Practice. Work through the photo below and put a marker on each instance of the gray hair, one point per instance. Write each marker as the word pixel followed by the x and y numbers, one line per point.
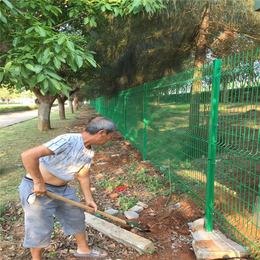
pixel 101 123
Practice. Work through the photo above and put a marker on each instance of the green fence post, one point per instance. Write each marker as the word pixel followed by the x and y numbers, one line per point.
pixel 144 121
pixel 212 144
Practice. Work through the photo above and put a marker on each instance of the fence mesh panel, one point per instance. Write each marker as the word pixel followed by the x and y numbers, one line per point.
pixel 237 157
pixel 169 121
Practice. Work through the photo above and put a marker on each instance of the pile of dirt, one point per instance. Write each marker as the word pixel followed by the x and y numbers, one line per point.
pixel 166 216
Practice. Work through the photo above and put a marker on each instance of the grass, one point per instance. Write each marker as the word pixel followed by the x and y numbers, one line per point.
pixel 7 109
pixel 18 138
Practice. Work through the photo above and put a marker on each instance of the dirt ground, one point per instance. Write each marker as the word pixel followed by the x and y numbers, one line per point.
pixel 166 216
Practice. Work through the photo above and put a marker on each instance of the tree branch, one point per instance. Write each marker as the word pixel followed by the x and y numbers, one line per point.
pixel 72 19
pixel 249 36
pixel 73 91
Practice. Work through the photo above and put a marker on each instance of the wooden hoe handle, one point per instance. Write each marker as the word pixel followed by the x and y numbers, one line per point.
pixel 55 196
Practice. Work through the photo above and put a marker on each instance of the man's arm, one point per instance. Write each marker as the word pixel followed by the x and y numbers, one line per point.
pixel 30 160
pixel 84 181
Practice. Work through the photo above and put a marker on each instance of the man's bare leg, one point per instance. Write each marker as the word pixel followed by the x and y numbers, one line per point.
pixel 36 253
pixel 83 248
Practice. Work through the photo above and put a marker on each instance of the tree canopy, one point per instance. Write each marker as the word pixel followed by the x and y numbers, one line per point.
pixel 42 38
pixel 148 47
pixel 39 37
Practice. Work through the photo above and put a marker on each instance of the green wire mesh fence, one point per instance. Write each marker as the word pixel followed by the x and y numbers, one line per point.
pixel 201 126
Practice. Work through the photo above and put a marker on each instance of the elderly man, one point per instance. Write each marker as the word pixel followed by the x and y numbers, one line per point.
pixel 50 167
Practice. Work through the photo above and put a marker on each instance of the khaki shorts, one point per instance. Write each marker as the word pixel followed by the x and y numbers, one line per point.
pixel 39 215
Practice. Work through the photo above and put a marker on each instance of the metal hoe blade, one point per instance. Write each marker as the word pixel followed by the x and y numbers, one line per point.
pixel 135 225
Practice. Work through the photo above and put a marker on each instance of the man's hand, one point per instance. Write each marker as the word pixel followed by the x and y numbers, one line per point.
pixel 39 189
pixel 91 204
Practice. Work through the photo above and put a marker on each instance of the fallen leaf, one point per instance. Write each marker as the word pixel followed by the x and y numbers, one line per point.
pixel 111 245
pixel 113 196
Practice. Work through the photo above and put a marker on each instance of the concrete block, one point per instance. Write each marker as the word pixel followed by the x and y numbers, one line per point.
pixel 198 224
pixel 214 245
pixel 123 236
pixel 204 235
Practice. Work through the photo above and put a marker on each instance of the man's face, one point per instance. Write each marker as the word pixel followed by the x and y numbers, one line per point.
pixel 104 137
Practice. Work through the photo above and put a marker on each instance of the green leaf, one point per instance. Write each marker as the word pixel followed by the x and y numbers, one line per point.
pixel 46 52
pixel 61 58
pixel 52 74
pixel 38 68
pixel 30 67
pixel 54 10
pixel 57 63
pixel 41 31
pixel 48 7
pixel 24 72
pixel 42 91
pixel 45 85
pixel 58 48
pixel 52 89
pixel 1 76
pixel 64 89
pixel 32 81
pixel 32 5
pixel 8 64
pixel 15 41
pixel 46 60
pixel 93 23
pixel 29 30
pixel 8 4
pixel 64 54
pixel 55 83
pixel 136 3
pixel 116 11
pixel 48 40
pixel 71 13
pixel 72 64
pixel 70 45
pixel 2 17
pixel 40 58
pixel 92 62
pixel 79 61
pixel 86 20
pixel 103 8
pixel 61 39
pixel 148 8
pixel 40 78
pixel 18 84
pixel 18 68
pixel 108 6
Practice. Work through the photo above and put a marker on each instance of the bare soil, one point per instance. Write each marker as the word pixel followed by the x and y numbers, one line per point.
pixel 166 216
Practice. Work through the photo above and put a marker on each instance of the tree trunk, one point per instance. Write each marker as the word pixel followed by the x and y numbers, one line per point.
pixel 200 55
pixel 76 103
pixel 194 121
pixel 44 109
pixel 71 106
pixel 61 100
pixel 61 103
